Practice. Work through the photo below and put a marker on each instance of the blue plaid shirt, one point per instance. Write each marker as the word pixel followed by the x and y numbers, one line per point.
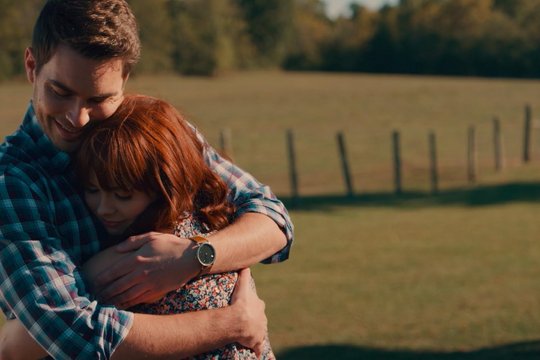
pixel 46 232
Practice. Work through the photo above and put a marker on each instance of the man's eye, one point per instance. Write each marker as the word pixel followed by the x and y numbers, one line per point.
pixel 91 190
pixel 97 100
pixel 59 92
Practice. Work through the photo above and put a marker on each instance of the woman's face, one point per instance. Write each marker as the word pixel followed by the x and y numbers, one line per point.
pixel 116 209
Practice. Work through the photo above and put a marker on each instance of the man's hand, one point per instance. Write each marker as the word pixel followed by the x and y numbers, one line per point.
pixel 250 313
pixel 151 265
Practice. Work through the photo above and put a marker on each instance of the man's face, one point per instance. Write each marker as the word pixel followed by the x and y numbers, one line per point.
pixel 71 90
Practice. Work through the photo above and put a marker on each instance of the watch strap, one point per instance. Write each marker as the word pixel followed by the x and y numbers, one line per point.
pixel 198 239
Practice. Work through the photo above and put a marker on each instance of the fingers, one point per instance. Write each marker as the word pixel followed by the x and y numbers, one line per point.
pixel 121 268
pixel 246 273
pixel 134 243
pixel 258 346
pixel 242 284
pixel 132 297
pixel 120 290
pixel 244 278
pixel 258 349
pixel 250 313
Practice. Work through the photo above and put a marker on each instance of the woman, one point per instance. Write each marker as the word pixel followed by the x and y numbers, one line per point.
pixel 143 170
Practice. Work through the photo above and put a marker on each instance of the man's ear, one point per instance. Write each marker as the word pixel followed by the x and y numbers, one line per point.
pixel 126 78
pixel 30 65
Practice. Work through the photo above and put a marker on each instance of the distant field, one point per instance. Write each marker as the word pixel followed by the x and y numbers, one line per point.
pixel 259 107
pixel 382 277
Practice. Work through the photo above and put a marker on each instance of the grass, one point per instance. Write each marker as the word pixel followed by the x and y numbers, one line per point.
pixel 379 276
pixel 410 275
pixel 258 107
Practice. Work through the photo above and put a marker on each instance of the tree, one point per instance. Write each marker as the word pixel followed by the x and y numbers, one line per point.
pixel 155 31
pixel 346 49
pixel 16 21
pixel 382 52
pixel 209 36
pixel 269 25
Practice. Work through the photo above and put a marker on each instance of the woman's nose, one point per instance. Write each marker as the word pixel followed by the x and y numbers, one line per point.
pixel 105 206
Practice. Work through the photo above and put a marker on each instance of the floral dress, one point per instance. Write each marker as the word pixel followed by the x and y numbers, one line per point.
pixel 207 292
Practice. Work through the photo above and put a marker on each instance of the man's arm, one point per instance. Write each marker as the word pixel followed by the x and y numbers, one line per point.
pixel 249 240
pixel 172 336
pixel 40 284
pixel 261 232
pixel 16 343
pixel 182 335
pixel 250 196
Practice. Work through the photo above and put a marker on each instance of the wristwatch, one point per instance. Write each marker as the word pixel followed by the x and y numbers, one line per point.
pixel 205 255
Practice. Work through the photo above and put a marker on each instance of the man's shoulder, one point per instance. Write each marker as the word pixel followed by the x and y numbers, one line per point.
pixel 16 165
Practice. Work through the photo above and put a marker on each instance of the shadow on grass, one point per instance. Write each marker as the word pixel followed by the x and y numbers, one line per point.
pixel 519 351
pixel 477 196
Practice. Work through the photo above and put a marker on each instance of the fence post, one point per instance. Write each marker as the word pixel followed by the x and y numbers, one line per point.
pixel 497 145
pixel 397 162
pixel 527 135
pixel 292 167
pixel 345 164
pixel 225 142
pixel 471 155
pixel 434 176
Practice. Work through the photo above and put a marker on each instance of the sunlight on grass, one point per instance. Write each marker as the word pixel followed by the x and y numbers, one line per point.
pixel 429 278
pixel 454 272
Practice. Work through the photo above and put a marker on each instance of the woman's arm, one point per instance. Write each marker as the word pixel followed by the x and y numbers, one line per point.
pixel 16 343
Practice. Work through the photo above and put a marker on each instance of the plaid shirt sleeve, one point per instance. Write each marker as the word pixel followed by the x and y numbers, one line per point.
pixel 40 284
pixel 249 195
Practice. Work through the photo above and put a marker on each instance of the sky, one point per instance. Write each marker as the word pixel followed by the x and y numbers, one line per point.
pixel 337 7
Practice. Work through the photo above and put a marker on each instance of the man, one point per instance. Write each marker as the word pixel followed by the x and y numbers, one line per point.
pixel 81 56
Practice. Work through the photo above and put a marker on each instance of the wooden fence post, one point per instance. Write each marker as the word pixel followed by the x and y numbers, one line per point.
pixel 397 162
pixel 498 145
pixel 225 142
pixel 434 176
pixel 292 167
pixel 527 135
pixel 471 155
pixel 345 164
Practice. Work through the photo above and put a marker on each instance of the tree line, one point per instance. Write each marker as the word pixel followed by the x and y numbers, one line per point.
pixel 207 37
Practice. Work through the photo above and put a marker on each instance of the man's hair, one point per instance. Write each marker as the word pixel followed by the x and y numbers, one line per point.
pixel 96 29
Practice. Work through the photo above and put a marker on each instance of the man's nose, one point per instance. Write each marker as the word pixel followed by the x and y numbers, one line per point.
pixel 79 115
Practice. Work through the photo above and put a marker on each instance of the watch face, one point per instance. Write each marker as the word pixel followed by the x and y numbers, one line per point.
pixel 206 254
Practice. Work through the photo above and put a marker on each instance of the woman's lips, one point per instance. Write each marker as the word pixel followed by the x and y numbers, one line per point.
pixel 111 224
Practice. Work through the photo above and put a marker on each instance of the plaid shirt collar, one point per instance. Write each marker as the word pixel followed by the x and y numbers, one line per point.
pixel 44 151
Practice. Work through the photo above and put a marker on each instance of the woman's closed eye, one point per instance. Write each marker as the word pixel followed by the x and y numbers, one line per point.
pixel 123 195
pixel 91 190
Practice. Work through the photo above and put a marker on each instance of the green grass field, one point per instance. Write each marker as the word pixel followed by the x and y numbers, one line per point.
pixel 452 276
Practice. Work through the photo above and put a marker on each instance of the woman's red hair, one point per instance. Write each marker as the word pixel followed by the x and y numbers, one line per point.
pixel 148 146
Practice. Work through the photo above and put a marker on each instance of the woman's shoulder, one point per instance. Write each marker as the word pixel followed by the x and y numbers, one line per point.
pixel 189 226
